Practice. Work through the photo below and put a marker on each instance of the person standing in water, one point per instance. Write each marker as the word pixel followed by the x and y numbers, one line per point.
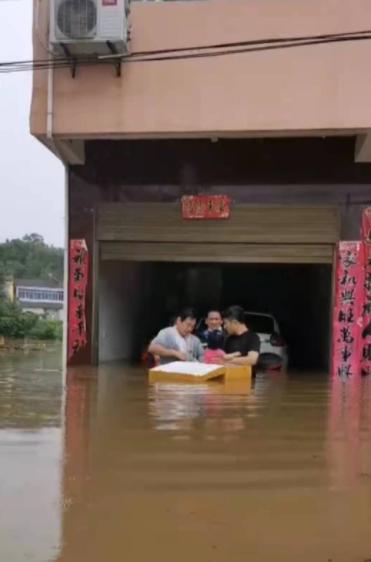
pixel 177 343
pixel 214 323
pixel 241 346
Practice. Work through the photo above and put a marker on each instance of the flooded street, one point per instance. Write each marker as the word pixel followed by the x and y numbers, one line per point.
pixel 279 471
pixel 31 449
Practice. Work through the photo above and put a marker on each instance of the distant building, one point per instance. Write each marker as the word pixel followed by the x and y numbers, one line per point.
pixel 44 298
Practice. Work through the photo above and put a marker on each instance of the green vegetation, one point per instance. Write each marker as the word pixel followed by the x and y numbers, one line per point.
pixel 29 258
pixel 17 324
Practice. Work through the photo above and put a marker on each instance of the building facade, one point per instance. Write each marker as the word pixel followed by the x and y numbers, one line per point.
pixel 283 132
pixel 43 298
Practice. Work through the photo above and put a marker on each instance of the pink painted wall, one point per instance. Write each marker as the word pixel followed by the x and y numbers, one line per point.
pixel 307 89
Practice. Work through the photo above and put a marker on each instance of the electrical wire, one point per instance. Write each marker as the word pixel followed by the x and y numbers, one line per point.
pixel 256 42
pixel 237 51
pixel 221 45
pixel 185 53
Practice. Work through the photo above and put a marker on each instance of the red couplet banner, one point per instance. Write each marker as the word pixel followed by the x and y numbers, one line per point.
pixel 366 333
pixel 349 297
pixel 78 279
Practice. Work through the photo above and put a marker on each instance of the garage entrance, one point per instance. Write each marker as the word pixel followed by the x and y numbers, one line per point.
pixel 138 299
pixel 268 259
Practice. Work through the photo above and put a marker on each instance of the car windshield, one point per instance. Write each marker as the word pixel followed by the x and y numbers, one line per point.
pixel 260 323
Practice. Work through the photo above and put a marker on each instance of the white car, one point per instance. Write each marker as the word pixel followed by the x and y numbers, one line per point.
pixel 273 348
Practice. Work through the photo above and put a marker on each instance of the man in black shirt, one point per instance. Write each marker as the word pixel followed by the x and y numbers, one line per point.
pixel 241 346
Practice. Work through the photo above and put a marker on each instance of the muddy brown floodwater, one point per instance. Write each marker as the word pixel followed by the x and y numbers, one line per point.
pixel 280 472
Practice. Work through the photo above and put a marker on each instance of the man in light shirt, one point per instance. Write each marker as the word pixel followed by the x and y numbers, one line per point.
pixel 177 343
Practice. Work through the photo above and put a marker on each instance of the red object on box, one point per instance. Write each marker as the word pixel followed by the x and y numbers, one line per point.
pixel 213 356
pixel 349 297
pixel 78 280
pixel 109 2
pixel 206 207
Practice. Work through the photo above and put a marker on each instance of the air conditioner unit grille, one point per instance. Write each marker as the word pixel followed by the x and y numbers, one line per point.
pixel 77 19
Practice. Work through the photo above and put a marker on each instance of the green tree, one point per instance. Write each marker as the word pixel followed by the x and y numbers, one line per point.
pixel 36 238
pixel 17 324
pixel 13 322
pixel 31 258
pixel 2 281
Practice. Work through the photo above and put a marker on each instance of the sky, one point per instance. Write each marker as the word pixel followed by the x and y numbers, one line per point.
pixel 31 177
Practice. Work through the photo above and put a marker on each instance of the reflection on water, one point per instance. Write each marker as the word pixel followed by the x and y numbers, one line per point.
pixel 279 471
pixel 349 432
pixel 182 406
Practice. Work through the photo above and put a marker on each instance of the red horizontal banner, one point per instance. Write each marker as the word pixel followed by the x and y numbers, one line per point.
pixel 206 207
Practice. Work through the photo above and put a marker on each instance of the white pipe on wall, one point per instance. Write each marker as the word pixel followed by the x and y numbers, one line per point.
pixel 65 280
pixel 50 99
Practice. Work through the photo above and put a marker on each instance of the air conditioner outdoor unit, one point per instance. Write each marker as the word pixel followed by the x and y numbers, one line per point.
pixel 89 27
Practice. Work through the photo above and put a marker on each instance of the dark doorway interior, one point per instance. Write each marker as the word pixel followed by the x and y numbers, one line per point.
pixel 298 296
pixel 138 299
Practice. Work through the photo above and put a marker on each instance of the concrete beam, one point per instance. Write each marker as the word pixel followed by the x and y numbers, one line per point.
pixel 71 151
pixel 363 148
